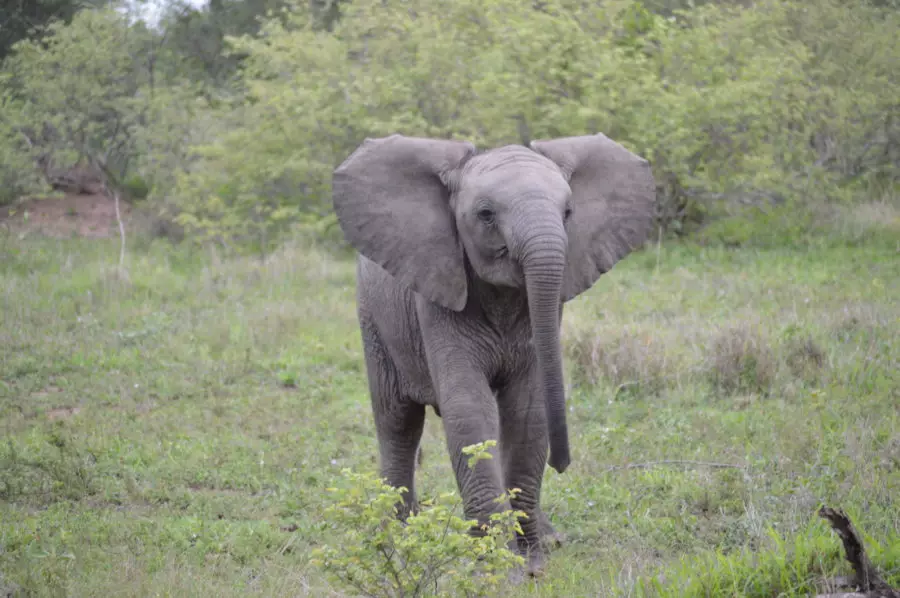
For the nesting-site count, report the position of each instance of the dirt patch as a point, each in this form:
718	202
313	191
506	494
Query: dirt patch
75	214
46	392
62	413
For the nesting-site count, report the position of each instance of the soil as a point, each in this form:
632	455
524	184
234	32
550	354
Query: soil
74	214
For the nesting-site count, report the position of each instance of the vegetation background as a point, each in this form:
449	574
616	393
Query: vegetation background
174	400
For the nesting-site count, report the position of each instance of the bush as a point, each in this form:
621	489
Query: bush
431	554
741	360
806	359
630	361
136	187
761	226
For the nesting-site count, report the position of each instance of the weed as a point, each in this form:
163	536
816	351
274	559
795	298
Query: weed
741	360
806	359
53	468
632	361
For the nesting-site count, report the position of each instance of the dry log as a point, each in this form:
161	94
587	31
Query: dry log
866	578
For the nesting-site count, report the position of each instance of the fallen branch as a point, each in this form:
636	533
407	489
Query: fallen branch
867	580
682	462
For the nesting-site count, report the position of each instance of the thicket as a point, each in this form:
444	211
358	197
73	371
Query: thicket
766	103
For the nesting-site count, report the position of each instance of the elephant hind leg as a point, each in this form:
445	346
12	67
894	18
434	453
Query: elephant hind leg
399	433
398	421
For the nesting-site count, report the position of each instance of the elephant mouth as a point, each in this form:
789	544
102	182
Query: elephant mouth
502	253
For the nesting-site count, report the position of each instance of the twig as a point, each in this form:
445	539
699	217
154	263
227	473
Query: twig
649	464
115	195
111	188
867	578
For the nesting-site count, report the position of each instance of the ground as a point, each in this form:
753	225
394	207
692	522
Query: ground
90	215
172	431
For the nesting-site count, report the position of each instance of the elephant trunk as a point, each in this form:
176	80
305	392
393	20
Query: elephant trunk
543	259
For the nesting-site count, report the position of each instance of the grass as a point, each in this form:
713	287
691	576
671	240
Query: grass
172	432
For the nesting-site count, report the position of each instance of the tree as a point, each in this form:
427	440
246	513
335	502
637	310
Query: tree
79	91
200	35
26	18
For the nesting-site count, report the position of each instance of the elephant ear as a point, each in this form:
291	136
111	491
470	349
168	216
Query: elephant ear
392	199
613	204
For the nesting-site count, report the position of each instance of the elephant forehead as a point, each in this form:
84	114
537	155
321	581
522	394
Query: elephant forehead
510	157
513	169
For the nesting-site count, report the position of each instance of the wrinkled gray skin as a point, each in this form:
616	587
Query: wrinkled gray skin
465	262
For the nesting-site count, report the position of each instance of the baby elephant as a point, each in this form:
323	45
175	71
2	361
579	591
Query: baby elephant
466	259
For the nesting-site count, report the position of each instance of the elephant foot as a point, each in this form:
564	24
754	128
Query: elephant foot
535	562
549	537
536	551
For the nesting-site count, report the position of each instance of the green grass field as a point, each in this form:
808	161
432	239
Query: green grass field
171	433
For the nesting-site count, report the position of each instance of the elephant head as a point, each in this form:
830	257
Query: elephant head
549	218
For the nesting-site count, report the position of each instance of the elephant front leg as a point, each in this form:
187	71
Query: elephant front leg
524	445
469	416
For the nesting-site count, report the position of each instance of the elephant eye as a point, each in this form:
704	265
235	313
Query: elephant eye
567	214
486	215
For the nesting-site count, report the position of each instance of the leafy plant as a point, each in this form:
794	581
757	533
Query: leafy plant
432	553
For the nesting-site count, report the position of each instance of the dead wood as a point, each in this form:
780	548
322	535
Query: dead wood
866	578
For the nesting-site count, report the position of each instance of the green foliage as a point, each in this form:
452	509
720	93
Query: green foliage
23	19
102	93
78	92
789	567
760	226
136	187
54	467
199	35
806	564
732	104
18	174
432	553
478	452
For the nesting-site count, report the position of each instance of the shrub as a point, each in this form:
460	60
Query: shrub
136	187
761	226
806	359
741	360
629	361
430	554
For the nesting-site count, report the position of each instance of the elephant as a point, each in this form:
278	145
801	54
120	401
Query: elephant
465	259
